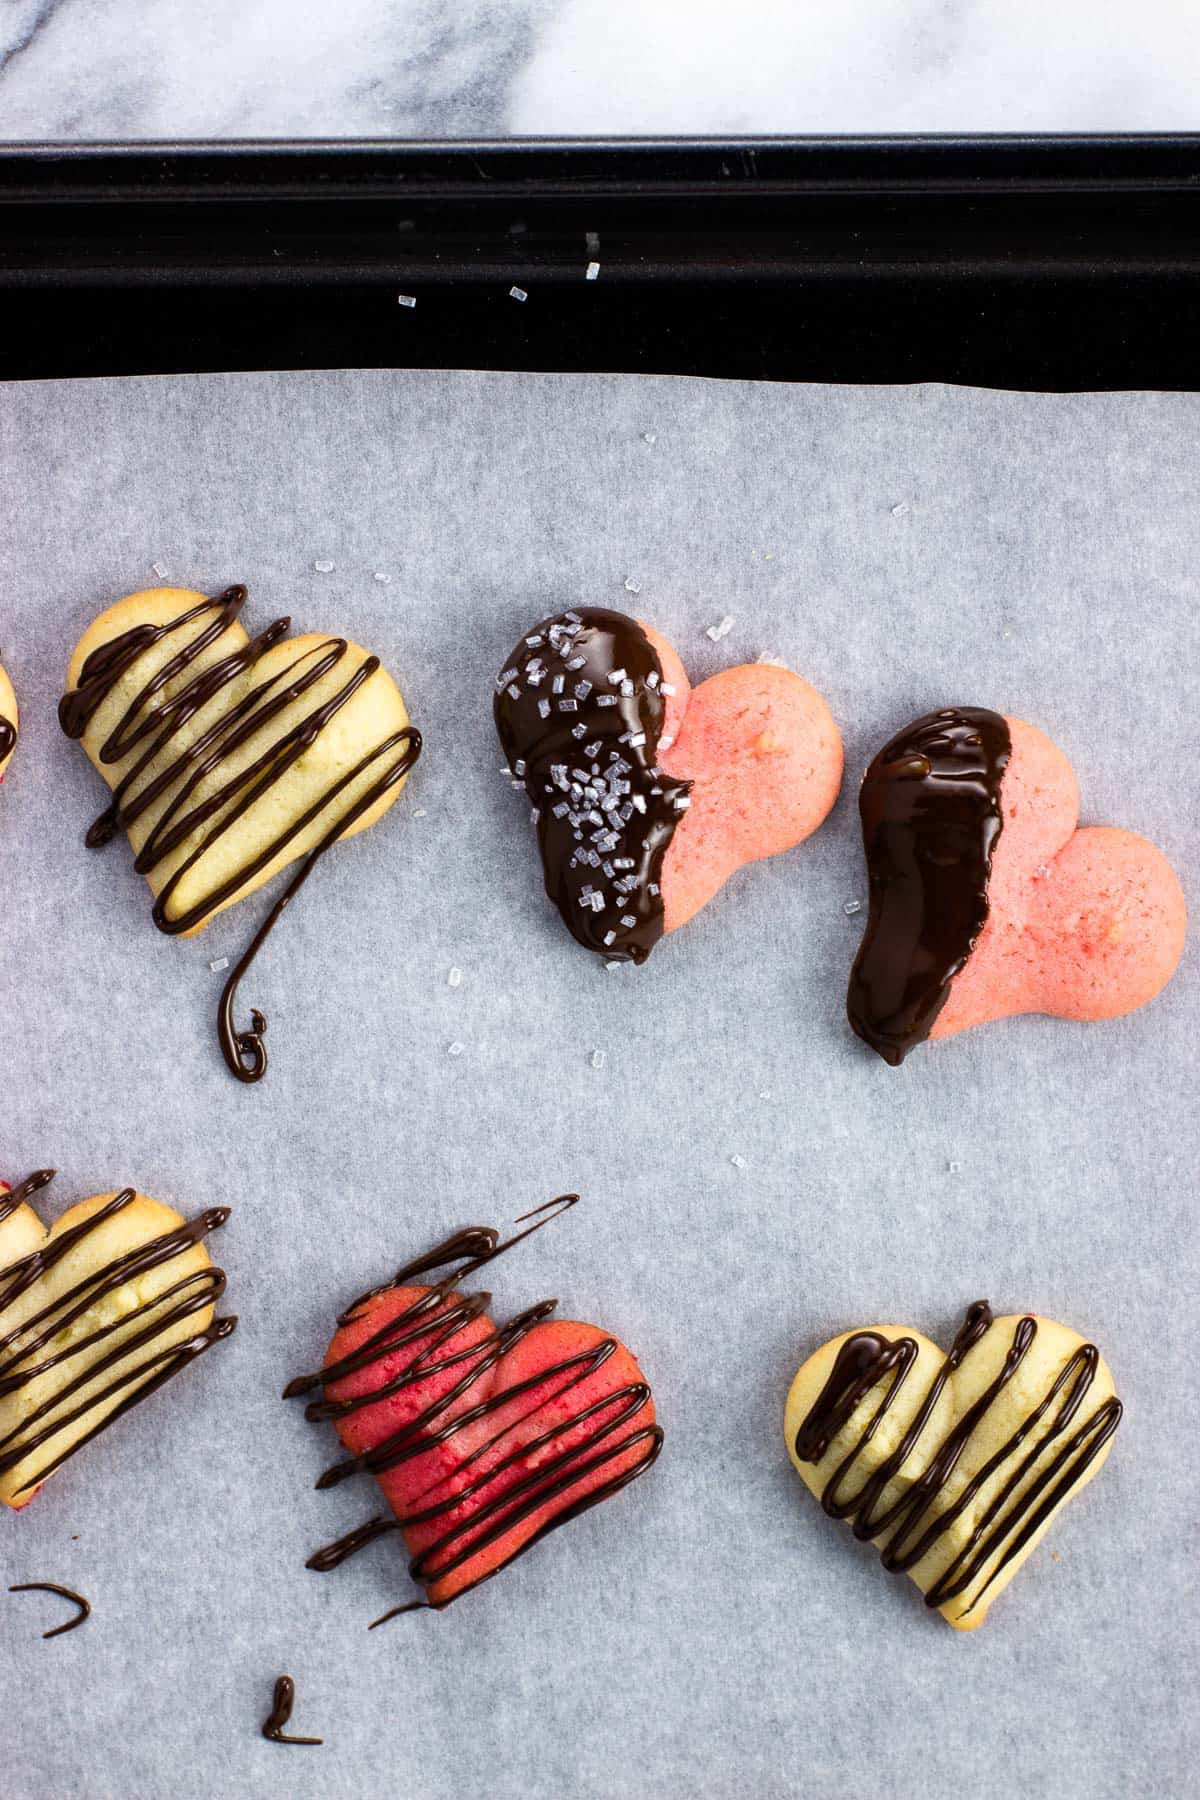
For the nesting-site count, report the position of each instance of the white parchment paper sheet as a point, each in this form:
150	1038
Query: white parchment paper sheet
708	1633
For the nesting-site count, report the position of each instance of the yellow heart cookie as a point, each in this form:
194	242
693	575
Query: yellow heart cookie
9	720
956	1463
229	757
95	1313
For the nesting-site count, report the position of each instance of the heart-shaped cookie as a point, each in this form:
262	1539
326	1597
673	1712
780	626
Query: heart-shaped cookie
647	793
229	757
985	900
95	1313
483	1437
10	719
955	1463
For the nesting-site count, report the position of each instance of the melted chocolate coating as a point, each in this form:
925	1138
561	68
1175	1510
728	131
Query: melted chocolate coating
191	1294
146	718
585	745
930	806
17	1196
8	737
282	1702
467	1251
864	1360
64	1593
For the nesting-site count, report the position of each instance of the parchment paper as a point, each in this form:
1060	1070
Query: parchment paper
709	1632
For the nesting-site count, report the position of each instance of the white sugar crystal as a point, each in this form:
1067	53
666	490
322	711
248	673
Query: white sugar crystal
592	272
850	907
667	688
383	576
636	740
544	708
612	965
616	677
772	661
517	293
419	812
649	437
323	566
717	632
159	570
222	962
632	585
519	766
598	1058
764	1095
454	1049
953	1168
682	802
454	978
628	920
407	299
739	1162
900	508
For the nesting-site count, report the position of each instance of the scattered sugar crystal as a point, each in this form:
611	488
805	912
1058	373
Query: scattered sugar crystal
159	570
323	566
383	576
667	688
419	812
764	1094
632	585
518	293
649	437
611	965
850	907
772	661
407	299
592	241
454	978
222	962
739	1162
454	1049
593	271
953	1168
598	1059
900	508
717	632
544	708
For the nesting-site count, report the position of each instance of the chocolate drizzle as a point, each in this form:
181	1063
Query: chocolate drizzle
1010	1518
282	1702
155	723
930	806
12	1198
556	1474
8	738
64	1593
28	1351
579	708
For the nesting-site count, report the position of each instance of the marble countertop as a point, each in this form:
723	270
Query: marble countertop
169	69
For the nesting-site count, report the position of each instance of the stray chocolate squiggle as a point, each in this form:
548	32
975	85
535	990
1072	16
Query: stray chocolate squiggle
930	805
463	1253
1002	1529
64	1593
281	1711
44	1327
579	708
147	718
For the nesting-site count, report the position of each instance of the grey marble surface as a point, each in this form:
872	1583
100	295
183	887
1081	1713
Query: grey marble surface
162	69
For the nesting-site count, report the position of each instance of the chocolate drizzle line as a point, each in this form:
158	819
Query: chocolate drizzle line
281	1711
467	1251
930	806
156	723
193	1293
64	1593
15	1197
579	708
1002	1529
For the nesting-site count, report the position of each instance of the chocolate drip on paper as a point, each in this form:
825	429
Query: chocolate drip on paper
27	1350
930	806
155	722
914	1520
430	1321
579	708
64	1593
282	1702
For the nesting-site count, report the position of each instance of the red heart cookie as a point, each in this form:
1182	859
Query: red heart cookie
985	900
649	794
483	1437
